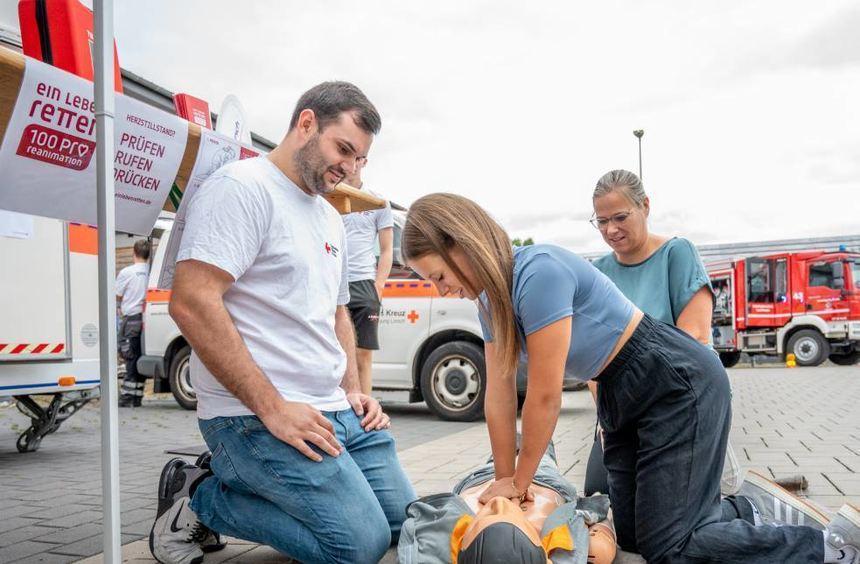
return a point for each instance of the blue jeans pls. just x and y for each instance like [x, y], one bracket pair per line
[347, 508]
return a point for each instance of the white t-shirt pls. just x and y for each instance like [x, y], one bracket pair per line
[131, 285]
[361, 230]
[286, 252]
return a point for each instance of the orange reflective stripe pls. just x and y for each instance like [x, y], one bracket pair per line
[154, 295]
[558, 538]
[457, 534]
[409, 289]
[83, 239]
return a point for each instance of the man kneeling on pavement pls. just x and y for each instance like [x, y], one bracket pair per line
[301, 460]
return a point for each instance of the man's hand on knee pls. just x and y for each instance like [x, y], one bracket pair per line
[300, 425]
[363, 405]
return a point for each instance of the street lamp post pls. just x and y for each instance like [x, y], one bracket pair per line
[639, 133]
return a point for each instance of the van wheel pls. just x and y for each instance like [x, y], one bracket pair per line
[180, 379]
[849, 359]
[809, 347]
[730, 358]
[453, 381]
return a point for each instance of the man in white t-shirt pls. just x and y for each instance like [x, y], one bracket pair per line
[367, 276]
[131, 293]
[301, 460]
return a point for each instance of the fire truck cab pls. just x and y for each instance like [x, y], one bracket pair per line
[801, 303]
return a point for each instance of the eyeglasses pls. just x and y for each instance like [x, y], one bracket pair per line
[602, 223]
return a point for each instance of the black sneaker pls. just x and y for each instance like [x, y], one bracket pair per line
[177, 534]
[204, 460]
[129, 401]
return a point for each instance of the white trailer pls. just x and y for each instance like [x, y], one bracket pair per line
[49, 322]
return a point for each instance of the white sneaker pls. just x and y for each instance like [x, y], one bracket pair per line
[177, 534]
[844, 530]
[778, 506]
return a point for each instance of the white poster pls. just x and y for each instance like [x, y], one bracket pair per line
[215, 151]
[16, 225]
[47, 160]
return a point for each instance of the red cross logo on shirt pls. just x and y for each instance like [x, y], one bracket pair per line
[413, 317]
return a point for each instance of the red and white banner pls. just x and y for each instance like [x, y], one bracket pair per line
[47, 159]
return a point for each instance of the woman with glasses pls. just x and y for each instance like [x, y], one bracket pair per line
[662, 276]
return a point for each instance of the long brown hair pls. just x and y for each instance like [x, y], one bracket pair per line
[438, 222]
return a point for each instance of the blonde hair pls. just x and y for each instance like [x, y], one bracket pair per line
[438, 222]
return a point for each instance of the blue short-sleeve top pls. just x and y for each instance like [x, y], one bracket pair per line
[551, 283]
[663, 284]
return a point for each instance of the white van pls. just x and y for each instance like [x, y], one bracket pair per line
[431, 346]
[49, 322]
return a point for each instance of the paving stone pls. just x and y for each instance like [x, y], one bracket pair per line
[86, 516]
[47, 558]
[24, 533]
[72, 534]
[54, 512]
[16, 523]
[23, 549]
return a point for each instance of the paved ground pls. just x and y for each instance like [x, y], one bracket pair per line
[786, 421]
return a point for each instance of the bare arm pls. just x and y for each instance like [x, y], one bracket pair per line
[346, 336]
[500, 409]
[695, 318]
[373, 418]
[547, 352]
[386, 258]
[197, 306]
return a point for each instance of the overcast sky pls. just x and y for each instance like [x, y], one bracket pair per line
[750, 108]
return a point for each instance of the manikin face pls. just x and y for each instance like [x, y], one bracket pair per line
[622, 225]
[431, 267]
[327, 158]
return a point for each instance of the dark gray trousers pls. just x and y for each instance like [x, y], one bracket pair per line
[665, 407]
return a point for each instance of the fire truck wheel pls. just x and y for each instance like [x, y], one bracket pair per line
[730, 358]
[849, 359]
[453, 381]
[809, 347]
[180, 379]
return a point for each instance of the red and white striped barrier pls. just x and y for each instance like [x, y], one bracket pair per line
[31, 348]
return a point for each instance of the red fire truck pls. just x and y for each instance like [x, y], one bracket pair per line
[804, 303]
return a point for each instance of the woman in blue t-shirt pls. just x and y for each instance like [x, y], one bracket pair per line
[663, 276]
[663, 399]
